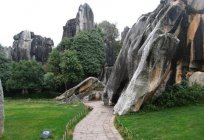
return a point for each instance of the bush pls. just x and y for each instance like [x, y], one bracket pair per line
[89, 48]
[72, 70]
[25, 75]
[5, 70]
[177, 95]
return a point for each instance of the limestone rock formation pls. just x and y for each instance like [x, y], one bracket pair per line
[84, 21]
[124, 33]
[196, 78]
[90, 88]
[28, 46]
[160, 48]
[1, 110]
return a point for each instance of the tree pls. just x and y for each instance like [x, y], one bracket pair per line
[112, 47]
[25, 75]
[109, 29]
[49, 81]
[54, 61]
[5, 69]
[89, 46]
[72, 70]
[65, 44]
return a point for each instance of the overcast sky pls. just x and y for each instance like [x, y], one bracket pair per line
[47, 17]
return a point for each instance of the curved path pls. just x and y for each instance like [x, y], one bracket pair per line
[97, 125]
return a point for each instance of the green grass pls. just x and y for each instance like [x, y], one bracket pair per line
[181, 123]
[26, 119]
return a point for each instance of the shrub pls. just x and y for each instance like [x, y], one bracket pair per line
[25, 75]
[177, 95]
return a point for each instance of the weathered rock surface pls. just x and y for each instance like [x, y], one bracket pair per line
[157, 51]
[124, 33]
[1, 110]
[91, 88]
[84, 21]
[196, 78]
[105, 75]
[27, 46]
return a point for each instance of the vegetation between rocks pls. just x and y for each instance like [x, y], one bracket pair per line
[176, 96]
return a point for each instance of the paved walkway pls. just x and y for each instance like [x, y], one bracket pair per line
[97, 125]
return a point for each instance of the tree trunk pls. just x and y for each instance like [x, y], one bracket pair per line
[24, 91]
[65, 85]
[1, 111]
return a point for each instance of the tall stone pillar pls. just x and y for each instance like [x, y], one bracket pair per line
[1, 110]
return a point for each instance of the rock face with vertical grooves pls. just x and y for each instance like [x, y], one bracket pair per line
[27, 46]
[158, 51]
[1, 110]
[84, 21]
[124, 33]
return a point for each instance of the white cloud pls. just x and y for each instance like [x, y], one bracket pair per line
[47, 17]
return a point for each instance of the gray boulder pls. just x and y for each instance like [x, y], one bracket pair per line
[90, 87]
[157, 52]
[196, 78]
[69, 30]
[84, 21]
[27, 46]
[1, 110]
[124, 33]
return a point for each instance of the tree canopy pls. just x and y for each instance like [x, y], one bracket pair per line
[109, 30]
[89, 47]
[25, 75]
[72, 70]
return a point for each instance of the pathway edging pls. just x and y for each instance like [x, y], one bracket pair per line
[97, 125]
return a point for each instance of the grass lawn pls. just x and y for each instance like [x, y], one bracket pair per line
[183, 123]
[26, 119]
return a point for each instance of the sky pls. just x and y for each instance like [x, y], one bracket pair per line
[47, 17]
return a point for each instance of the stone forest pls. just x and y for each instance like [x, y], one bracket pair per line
[147, 83]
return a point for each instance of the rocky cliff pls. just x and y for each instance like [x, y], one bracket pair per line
[84, 21]
[1, 110]
[159, 50]
[28, 46]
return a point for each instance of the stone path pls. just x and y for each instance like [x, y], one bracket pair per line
[97, 125]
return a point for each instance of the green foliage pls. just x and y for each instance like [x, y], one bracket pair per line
[49, 81]
[89, 47]
[110, 33]
[177, 95]
[109, 29]
[74, 58]
[65, 44]
[54, 61]
[72, 70]
[25, 75]
[5, 69]
[117, 47]
[90, 51]
[64, 67]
